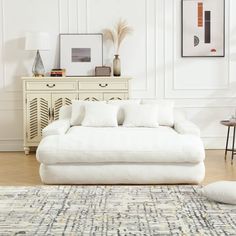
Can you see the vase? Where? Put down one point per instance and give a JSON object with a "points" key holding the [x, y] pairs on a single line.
{"points": [[116, 66]]}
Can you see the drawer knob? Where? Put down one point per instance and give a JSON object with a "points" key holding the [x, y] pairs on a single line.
{"points": [[103, 85], [51, 85]]}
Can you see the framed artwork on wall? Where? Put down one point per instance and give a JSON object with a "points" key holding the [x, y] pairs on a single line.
{"points": [[81, 53], [203, 28]]}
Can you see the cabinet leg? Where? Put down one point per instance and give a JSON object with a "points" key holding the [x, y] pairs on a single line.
{"points": [[27, 150]]}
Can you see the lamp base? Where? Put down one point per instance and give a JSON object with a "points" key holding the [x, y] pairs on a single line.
{"points": [[38, 67], [38, 75]]}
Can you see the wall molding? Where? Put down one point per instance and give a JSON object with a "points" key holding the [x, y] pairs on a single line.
{"points": [[59, 15], [148, 75], [17, 92], [171, 89], [68, 16], [160, 74], [4, 62], [159, 48], [227, 49]]}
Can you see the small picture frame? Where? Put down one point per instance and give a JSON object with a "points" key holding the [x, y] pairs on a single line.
{"points": [[203, 28], [81, 53]]}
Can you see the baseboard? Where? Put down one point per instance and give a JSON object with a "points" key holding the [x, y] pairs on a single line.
{"points": [[11, 145], [215, 142], [209, 143]]}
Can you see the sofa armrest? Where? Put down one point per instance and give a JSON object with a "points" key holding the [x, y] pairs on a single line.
{"points": [[186, 127], [57, 127]]}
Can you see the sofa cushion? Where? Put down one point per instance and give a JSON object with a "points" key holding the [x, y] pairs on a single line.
{"points": [[120, 144], [100, 115], [121, 104], [165, 111], [78, 111], [141, 115], [65, 112]]}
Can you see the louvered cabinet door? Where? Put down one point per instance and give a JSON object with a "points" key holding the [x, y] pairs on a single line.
{"points": [[115, 96], [91, 96], [59, 100], [37, 115]]}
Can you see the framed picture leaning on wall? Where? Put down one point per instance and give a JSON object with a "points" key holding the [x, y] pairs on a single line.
{"points": [[203, 28], [81, 53]]}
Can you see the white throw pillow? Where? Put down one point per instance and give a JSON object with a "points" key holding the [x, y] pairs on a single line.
{"points": [[221, 191], [138, 115], [165, 111], [121, 104], [78, 111], [100, 115]]}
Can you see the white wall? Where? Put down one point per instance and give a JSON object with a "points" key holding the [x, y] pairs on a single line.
{"points": [[205, 88]]}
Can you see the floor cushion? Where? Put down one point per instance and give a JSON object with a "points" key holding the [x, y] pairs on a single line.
{"points": [[221, 191]]}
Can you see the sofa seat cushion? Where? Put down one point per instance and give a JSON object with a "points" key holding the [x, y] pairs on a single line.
{"points": [[120, 144]]}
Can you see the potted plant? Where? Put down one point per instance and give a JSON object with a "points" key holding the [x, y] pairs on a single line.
{"points": [[116, 36]]}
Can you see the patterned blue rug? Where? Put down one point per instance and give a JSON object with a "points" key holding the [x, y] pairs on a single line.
{"points": [[112, 210]]}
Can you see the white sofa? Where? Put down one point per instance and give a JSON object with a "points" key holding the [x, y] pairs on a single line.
{"points": [[120, 155]]}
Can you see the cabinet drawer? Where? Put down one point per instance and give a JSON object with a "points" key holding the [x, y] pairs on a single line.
{"points": [[51, 86], [103, 85]]}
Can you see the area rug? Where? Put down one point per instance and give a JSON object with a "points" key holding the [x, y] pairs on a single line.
{"points": [[112, 210]]}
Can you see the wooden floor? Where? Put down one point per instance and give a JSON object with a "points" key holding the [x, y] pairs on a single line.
{"points": [[20, 170]]}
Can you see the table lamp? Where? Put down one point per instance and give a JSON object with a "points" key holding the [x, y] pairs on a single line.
{"points": [[37, 41]]}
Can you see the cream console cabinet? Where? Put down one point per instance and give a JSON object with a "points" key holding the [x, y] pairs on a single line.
{"points": [[44, 96]]}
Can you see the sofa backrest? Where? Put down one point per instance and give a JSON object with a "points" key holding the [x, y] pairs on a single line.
{"points": [[65, 111]]}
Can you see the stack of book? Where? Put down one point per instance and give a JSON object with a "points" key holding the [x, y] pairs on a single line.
{"points": [[58, 72]]}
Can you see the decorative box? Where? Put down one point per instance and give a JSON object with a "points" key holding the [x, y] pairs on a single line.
{"points": [[102, 71]]}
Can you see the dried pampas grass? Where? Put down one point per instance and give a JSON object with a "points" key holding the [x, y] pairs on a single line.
{"points": [[118, 34]]}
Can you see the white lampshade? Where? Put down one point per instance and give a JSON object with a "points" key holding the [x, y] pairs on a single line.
{"points": [[37, 41]]}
